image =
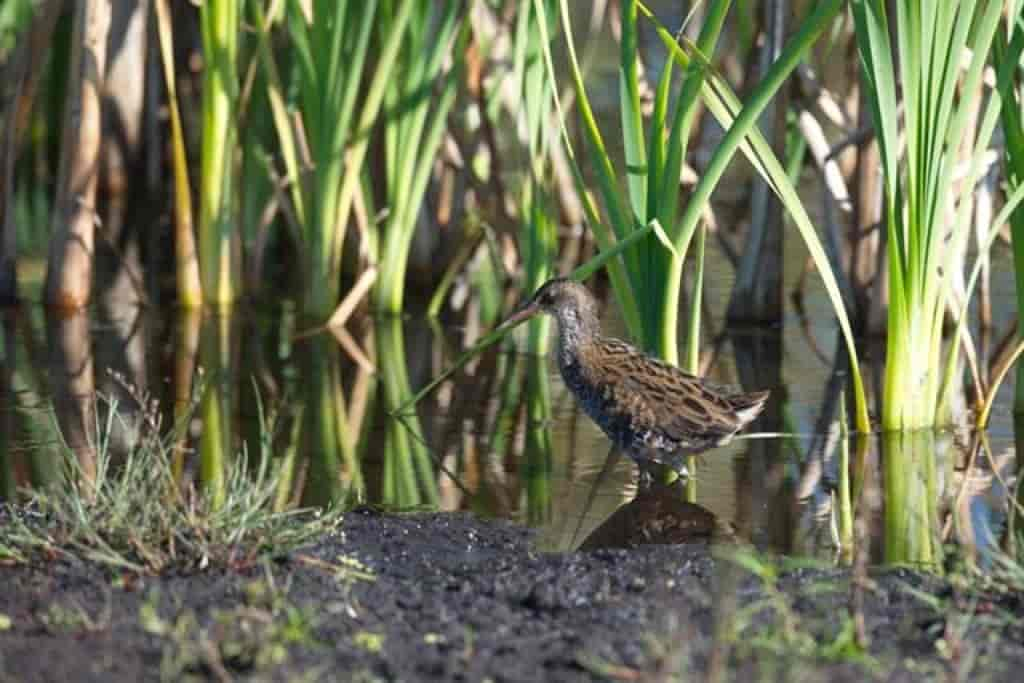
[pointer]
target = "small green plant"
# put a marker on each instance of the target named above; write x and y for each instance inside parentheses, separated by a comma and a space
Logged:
(254, 636)
(371, 642)
(71, 618)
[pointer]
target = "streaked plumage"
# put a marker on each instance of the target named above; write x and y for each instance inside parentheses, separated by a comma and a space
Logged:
(652, 411)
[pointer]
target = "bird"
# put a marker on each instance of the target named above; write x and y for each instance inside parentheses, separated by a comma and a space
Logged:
(649, 409)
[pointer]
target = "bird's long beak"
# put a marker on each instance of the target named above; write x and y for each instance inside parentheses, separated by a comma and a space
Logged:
(524, 312)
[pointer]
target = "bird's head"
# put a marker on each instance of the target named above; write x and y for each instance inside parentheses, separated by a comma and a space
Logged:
(567, 300)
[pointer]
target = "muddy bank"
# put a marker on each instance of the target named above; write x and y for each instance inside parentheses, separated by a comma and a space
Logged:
(450, 597)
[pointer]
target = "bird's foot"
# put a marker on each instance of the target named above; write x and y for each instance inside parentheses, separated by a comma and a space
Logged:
(667, 476)
(677, 465)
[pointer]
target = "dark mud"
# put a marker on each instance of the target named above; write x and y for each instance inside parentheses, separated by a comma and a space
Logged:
(439, 597)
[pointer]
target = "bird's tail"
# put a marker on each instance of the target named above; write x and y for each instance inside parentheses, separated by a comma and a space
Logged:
(749, 406)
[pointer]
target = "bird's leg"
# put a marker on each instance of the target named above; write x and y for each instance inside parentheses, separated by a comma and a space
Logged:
(645, 480)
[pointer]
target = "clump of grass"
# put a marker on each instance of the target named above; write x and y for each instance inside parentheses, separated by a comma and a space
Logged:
(959, 621)
(129, 512)
(669, 654)
(791, 634)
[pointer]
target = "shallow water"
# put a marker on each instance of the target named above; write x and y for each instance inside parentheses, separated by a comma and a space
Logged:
(541, 465)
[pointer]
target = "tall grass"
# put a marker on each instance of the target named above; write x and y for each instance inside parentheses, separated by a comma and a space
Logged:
(1006, 53)
(340, 82)
(926, 212)
(648, 281)
(538, 233)
(417, 100)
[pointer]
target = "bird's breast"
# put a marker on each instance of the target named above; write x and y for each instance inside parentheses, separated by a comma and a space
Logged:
(597, 395)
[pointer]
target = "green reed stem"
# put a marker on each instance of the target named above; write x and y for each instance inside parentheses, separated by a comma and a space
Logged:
(220, 27)
(692, 364)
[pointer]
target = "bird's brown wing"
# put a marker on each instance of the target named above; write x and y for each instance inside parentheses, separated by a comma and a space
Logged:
(681, 407)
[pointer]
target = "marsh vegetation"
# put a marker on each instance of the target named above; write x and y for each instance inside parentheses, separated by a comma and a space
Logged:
(253, 254)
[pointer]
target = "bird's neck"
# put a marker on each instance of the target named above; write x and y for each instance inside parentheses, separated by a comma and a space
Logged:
(575, 332)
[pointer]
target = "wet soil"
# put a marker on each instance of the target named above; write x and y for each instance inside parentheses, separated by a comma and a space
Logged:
(439, 597)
